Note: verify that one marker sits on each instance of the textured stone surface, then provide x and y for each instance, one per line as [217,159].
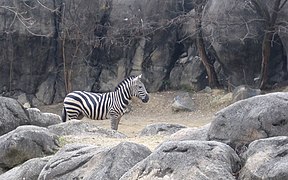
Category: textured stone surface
[266,159]
[12,115]
[183,102]
[24,143]
[251,119]
[38,118]
[90,162]
[28,170]
[187,160]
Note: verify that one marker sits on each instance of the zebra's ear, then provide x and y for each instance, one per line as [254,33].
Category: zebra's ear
[138,78]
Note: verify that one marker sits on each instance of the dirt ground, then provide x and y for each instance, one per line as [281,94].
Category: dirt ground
[157,110]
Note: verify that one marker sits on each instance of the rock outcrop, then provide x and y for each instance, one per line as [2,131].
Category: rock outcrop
[24,143]
[38,118]
[187,160]
[12,115]
[266,159]
[28,170]
[98,43]
[90,162]
[258,117]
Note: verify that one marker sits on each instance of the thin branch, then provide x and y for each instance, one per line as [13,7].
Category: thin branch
[45,7]
[26,22]
[283,4]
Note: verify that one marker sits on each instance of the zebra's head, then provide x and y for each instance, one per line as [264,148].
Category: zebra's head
[139,90]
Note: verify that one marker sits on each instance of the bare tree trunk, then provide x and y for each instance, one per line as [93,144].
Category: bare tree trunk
[266,45]
[212,77]
[266,51]
[64,65]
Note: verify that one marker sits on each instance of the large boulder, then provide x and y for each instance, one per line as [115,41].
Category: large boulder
[38,118]
[187,160]
[90,162]
[28,170]
[116,39]
[231,41]
[230,28]
[251,119]
[24,143]
[26,43]
[183,102]
[12,115]
[188,73]
[266,159]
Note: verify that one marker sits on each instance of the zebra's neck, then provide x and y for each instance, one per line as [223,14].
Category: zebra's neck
[123,94]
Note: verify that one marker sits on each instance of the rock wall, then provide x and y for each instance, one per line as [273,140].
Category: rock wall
[98,43]
[236,36]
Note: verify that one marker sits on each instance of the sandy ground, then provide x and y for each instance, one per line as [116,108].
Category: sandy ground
[157,110]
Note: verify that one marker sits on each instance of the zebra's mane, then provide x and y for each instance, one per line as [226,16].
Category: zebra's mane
[124,81]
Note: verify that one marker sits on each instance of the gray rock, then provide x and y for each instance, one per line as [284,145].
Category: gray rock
[160,129]
[36,102]
[33,55]
[78,127]
[183,102]
[239,51]
[244,92]
[12,115]
[90,162]
[190,75]
[46,90]
[195,133]
[229,41]
[266,159]
[24,143]
[187,160]
[38,118]
[250,119]
[29,170]
[2,170]
[22,98]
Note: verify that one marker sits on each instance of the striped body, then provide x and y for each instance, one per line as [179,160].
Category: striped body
[91,105]
[100,106]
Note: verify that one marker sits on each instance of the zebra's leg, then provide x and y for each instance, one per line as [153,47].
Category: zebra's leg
[64,115]
[115,123]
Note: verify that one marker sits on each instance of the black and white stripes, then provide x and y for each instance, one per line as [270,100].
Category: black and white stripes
[104,105]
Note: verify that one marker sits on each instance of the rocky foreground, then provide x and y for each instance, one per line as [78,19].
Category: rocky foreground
[246,140]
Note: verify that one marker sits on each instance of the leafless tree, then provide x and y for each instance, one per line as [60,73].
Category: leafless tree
[208,64]
[103,33]
[271,29]
[16,16]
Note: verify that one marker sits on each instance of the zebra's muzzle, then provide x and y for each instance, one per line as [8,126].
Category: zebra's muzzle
[146,99]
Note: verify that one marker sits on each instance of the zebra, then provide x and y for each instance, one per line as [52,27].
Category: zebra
[100,106]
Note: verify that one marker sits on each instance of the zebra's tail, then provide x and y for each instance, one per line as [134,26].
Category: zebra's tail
[64,115]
